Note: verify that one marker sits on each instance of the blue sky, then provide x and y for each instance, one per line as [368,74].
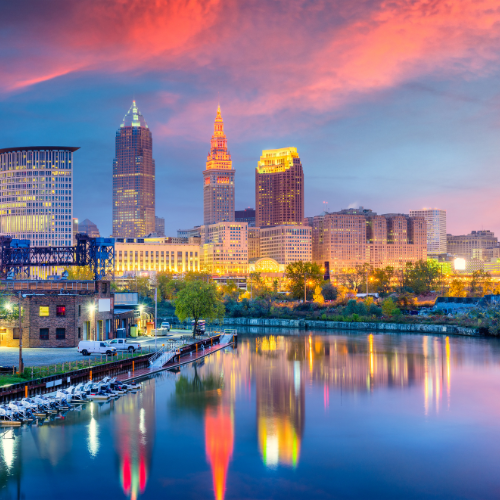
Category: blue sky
[392,105]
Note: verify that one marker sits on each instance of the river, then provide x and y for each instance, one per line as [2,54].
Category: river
[283,416]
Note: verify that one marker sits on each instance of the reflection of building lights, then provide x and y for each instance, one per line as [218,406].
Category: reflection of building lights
[8,447]
[219,440]
[279,442]
[142,425]
[296,377]
[448,372]
[93,439]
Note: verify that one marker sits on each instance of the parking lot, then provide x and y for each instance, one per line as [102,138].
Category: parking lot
[48,356]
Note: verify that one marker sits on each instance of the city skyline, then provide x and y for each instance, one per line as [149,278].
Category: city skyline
[363,135]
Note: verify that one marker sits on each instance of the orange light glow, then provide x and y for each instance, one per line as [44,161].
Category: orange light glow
[219,442]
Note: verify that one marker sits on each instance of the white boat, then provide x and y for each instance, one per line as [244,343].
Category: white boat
[8,417]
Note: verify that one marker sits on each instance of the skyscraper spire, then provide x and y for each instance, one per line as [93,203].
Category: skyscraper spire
[133,178]
[218,177]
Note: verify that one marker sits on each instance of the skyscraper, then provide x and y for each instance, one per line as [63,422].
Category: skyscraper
[36,194]
[436,229]
[218,178]
[279,188]
[133,178]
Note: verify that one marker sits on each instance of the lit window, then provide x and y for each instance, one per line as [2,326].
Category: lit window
[60,310]
[44,311]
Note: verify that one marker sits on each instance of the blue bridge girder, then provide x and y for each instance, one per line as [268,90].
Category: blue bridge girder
[19,256]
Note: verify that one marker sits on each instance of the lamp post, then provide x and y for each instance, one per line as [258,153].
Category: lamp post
[21,364]
[305,288]
[156,313]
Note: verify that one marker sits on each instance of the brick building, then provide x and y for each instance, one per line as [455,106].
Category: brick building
[57,313]
[351,237]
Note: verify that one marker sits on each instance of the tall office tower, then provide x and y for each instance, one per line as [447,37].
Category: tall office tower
[218,179]
[160,226]
[436,229]
[279,188]
[133,178]
[89,228]
[36,194]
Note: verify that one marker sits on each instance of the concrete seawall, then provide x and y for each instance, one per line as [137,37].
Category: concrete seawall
[344,325]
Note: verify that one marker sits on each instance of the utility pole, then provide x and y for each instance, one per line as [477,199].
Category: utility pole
[21,364]
[156,314]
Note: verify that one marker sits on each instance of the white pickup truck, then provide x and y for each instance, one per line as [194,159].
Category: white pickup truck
[123,345]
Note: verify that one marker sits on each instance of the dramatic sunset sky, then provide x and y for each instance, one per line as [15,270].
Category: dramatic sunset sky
[393,105]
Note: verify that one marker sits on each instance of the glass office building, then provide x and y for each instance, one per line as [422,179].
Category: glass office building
[133,178]
[36,194]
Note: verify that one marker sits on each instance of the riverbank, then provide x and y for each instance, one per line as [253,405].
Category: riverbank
[302,324]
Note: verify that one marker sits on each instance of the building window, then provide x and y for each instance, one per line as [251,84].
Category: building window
[60,311]
[79,310]
[44,333]
[79,332]
[60,333]
[15,333]
[44,311]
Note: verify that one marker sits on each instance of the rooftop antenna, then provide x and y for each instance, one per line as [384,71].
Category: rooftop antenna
[325,206]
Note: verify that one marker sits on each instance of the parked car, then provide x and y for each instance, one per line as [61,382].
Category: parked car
[87,347]
[165,325]
[123,345]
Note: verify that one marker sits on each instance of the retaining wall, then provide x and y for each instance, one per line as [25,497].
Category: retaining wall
[344,325]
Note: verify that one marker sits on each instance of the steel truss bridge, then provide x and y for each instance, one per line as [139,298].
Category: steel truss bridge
[18,256]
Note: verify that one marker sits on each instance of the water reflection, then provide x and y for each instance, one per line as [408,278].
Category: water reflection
[370,400]
[134,428]
[219,441]
[280,402]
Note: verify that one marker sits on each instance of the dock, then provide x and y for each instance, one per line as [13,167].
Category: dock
[178,360]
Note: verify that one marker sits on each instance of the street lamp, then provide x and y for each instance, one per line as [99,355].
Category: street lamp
[92,309]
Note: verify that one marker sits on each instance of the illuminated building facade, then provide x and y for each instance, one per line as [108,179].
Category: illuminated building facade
[279,188]
[224,248]
[253,243]
[36,194]
[133,178]
[155,254]
[345,239]
[286,244]
[218,178]
[469,246]
[436,229]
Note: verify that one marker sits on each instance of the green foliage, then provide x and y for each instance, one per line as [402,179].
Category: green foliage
[297,271]
[389,308]
[79,273]
[422,276]
[381,279]
[231,290]
[375,310]
[329,291]
[199,300]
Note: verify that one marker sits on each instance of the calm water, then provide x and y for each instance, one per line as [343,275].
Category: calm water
[310,417]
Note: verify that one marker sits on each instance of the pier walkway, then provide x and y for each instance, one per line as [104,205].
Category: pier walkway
[184,359]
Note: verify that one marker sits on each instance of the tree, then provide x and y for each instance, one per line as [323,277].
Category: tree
[231,290]
[355,278]
[480,284]
[381,279]
[167,285]
[329,291]
[422,276]
[197,300]
[457,289]
[318,297]
[389,308]
[297,272]
[79,273]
